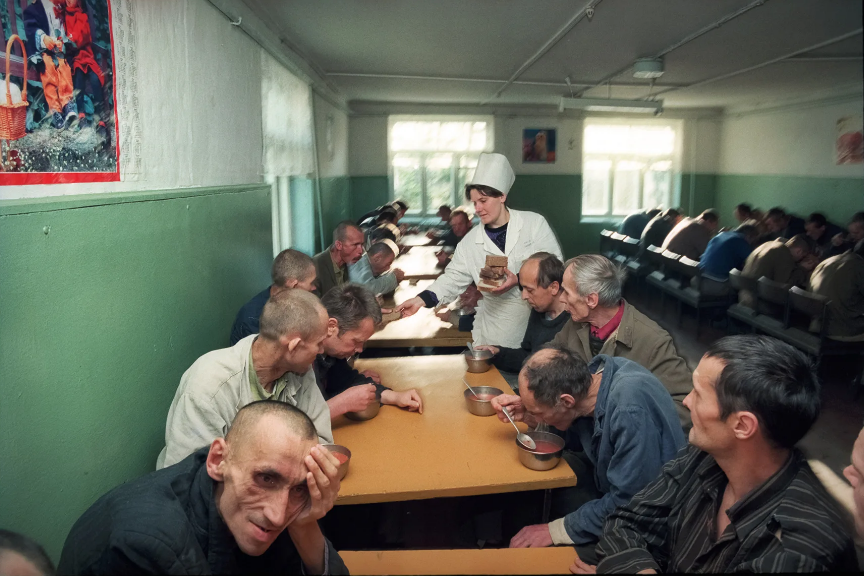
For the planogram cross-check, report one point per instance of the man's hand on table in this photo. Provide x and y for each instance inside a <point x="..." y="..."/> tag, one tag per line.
<point x="399" y="273"/>
<point x="493" y="349"/>
<point x="410" y="307"/>
<point x="409" y="399"/>
<point x="580" y="567"/>
<point x="513" y="403"/>
<point x="536" y="536"/>
<point x="373" y="375"/>
<point x="354" y="399"/>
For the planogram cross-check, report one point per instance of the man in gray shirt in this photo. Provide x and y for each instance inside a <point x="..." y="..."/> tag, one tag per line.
<point x="373" y="269"/>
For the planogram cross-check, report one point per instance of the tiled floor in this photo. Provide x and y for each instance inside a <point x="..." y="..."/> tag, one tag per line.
<point x="841" y="418"/>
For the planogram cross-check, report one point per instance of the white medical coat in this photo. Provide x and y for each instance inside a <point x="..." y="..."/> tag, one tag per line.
<point x="501" y="320"/>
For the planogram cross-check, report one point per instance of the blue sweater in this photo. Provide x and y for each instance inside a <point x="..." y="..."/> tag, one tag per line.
<point x="634" y="431"/>
<point x="724" y="252"/>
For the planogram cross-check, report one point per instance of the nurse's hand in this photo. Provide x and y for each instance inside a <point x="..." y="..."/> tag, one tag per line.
<point x="410" y="307"/>
<point x="509" y="282"/>
<point x="492" y="349"/>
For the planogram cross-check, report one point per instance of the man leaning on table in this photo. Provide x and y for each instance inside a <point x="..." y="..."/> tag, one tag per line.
<point x="622" y="418"/>
<point x="373" y="269"/>
<point x="249" y="503"/>
<point x="353" y="314"/>
<point x="273" y="365"/>
<point x="741" y="497"/>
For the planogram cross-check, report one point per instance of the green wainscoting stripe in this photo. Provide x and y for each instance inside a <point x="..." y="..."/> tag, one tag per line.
<point x="335" y="203"/>
<point x="704" y="192"/>
<point x="837" y="198"/>
<point x="367" y="193"/>
<point x="99" y="318"/>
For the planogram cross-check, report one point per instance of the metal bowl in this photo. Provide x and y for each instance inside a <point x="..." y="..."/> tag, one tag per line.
<point x="481" y="406"/>
<point x="367" y="413"/>
<point x="536" y="460"/>
<point x="337" y="449"/>
<point x="478" y="361"/>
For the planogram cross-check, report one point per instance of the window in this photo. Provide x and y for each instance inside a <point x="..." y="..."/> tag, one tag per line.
<point x="432" y="157"/>
<point x="628" y="166"/>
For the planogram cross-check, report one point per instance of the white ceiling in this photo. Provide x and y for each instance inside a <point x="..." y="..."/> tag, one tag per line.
<point x="465" y="51"/>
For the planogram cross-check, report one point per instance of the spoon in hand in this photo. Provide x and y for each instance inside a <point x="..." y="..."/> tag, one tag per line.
<point x="523" y="438"/>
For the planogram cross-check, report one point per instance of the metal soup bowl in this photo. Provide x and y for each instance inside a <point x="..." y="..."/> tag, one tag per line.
<point x="481" y="406"/>
<point x="367" y="413"/>
<point x="337" y="449"/>
<point x="537" y="460"/>
<point x="478" y="361"/>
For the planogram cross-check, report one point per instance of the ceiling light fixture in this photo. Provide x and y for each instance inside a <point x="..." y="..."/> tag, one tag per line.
<point x="648" y="68"/>
<point x="611" y="105"/>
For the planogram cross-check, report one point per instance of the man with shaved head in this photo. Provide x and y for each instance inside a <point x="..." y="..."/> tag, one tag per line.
<point x="622" y="418"/>
<point x="273" y="365"/>
<point x="247" y="504"/>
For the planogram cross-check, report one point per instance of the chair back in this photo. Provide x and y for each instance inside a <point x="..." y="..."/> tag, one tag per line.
<point x="606" y="241"/>
<point x="811" y="306"/>
<point x="629" y="246"/>
<point x="688" y="267"/>
<point x="738" y="281"/>
<point x="772" y="298"/>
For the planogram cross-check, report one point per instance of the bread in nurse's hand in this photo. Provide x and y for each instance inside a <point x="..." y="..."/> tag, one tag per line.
<point x="495" y="261"/>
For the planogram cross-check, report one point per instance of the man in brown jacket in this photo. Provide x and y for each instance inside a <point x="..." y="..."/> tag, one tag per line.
<point x="331" y="265"/>
<point x="788" y="263"/>
<point x="841" y="280"/>
<point x="690" y="236"/>
<point x="604" y="323"/>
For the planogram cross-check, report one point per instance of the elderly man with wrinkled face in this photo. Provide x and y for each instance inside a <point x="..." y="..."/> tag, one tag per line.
<point x="248" y="504"/>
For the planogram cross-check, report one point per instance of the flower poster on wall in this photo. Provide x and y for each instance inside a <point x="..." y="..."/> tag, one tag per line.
<point x="850" y="140"/>
<point x="538" y="145"/>
<point x="58" y="120"/>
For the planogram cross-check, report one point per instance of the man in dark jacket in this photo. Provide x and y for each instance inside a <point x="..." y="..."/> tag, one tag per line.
<point x="331" y="265"/>
<point x="635" y="223"/>
<point x="618" y="413"/>
<point x="658" y="228"/>
<point x="248" y="504"/>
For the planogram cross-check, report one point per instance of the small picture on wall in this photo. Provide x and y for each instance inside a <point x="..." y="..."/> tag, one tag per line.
<point x="538" y="145"/>
<point x="850" y="140"/>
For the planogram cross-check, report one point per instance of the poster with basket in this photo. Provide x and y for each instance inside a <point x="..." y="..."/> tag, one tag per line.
<point x="58" y="120"/>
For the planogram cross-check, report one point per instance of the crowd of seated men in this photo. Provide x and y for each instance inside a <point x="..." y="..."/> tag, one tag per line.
<point x="678" y="471"/>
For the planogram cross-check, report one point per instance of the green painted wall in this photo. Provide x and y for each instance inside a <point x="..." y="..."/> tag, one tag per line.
<point x="335" y="204"/>
<point x="704" y="192"/>
<point x="98" y="320"/>
<point x="837" y="198"/>
<point x="367" y="193"/>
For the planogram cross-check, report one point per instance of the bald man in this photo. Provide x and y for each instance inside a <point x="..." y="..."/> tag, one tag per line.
<point x="273" y="365"/>
<point x="247" y="504"/>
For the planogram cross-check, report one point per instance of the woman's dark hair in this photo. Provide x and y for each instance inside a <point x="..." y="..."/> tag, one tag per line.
<point x="483" y="190"/>
<point x="772" y="380"/>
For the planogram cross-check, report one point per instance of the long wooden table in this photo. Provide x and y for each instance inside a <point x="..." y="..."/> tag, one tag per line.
<point x="421" y="329"/>
<point x="444" y="452"/>
<point x="489" y="561"/>
<point x="420" y="263"/>
<point x="418" y="239"/>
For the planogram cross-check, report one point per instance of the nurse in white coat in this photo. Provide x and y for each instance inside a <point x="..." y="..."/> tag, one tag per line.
<point x="502" y="315"/>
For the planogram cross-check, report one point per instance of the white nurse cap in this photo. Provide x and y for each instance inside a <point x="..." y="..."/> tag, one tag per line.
<point x="494" y="170"/>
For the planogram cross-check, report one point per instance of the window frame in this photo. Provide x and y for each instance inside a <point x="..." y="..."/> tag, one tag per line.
<point x="425" y="210"/>
<point x="677" y="126"/>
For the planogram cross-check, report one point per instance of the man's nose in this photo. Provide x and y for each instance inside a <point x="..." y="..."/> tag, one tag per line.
<point x="276" y="510"/>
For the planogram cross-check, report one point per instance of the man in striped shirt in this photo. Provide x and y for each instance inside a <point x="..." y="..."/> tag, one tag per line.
<point x="741" y="498"/>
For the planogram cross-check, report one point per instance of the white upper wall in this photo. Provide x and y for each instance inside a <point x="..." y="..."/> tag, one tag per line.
<point x="331" y="132"/>
<point x="795" y="142"/>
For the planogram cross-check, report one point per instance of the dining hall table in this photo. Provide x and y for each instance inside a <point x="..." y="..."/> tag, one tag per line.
<point x="444" y="452"/>
<point x="552" y="560"/>
<point x="420" y="263"/>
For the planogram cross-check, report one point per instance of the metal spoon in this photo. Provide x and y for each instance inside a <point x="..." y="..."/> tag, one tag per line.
<point x="471" y="349"/>
<point x="523" y="438"/>
<point x="469" y="388"/>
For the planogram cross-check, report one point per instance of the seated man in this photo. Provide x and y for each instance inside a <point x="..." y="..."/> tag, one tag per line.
<point x="854" y="240"/>
<point x="781" y="225"/>
<point x="658" y="228"/>
<point x="353" y="314"/>
<point x="725" y="251"/>
<point x="373" y="268"/>
<point x="841" y="280"/>
<point x="634" y="224"/>
<point x="604" y="323"/>
<point x="690" y="237"/>
<point x="821" y="232"/>
<point x="291" y="269"/>
<point x="460" y="225"/>
<point x="743" y="212"/>
<point x="741" y="497"/>
<point x="21" y="556"/>
<point x="444" y="213"/>
<point x="247" y="504"/>
<point x="787" y="263"/>
<point x="540" y="277"/>
<point x="331" y="265"/>
<point x="624" y="421"/>
<point x="272" y="365"/>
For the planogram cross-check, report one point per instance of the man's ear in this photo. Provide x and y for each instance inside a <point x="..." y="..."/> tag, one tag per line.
<point x="745" y="426"/>
<point x="216" y="459"/>
<point x="292" y="342"/>
<point x="555" y="288"/>
<point x="292" y="283"/>
<point x="332" y="327"/>
<point x="567" y="401"/>
<point x="592" y="300"/>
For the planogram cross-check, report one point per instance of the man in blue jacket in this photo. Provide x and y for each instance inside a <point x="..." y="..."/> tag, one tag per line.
<point x="624" y="420"/>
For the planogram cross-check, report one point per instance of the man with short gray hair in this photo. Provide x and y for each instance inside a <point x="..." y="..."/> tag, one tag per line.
<point x="373" y="269"/>
<point x="291" y="269"/>
<point x="604" y="323"/>
<point x="353" y="314"/>
<point x="331" y="265"/>
<point x="272" y="365"/>
<point x="618" y="413"/>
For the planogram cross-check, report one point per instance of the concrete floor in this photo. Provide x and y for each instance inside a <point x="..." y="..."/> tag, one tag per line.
<point x="841" y="418"/>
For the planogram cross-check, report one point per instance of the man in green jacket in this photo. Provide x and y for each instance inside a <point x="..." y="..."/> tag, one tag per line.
<point x="331" y="265"/>
<point x="602" y="322"/>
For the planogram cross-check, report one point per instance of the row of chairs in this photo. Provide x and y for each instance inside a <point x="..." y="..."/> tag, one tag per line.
<point x="782" y="311"/>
